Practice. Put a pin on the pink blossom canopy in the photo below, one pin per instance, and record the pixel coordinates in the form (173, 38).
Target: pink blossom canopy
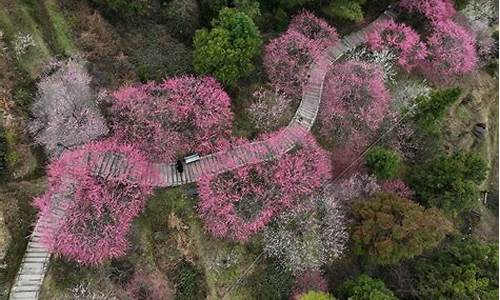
(182, 115)
(239, 203)
(97, 211)
(401, 39)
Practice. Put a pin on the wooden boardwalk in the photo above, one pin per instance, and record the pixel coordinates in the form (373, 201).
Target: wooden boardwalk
(35, 262)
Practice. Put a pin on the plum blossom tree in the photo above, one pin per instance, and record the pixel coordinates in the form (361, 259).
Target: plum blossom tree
(314, 28)
(270, 110)
(308, 236)
(401, 39)
(181, 115)
(452, 52)
(309, 280)
(353, 106)
(287, 57)
(355, 93)
(149, 285)
(239, 203)
(398, 187)
(434, 10)
(64, 114)
(286, 60)
(386, 59)
(98, 207)
(479, 15)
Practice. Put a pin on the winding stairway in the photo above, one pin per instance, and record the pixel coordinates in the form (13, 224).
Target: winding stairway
(34, 265)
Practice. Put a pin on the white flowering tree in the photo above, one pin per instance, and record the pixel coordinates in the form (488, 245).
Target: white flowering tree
(309, 236)
(64, 114)
(270, 110)
(480, 15)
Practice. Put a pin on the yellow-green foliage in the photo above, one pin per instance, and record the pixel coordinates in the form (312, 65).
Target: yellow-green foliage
(313, 295)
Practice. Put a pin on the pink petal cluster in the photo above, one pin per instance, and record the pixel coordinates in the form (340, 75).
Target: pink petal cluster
(434, 10)
(97, 211)
(287, 57)
(452, 51)
(400, 39)
(151, 286)
(265, 189)
(310, 280)
(177, 117)
(354, 90)
(353, 106)
(397, 187)
(314, 28)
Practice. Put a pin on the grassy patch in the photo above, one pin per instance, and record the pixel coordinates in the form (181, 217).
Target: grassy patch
(12, 156)
(223, 263)
(16, 20)
(61, 30)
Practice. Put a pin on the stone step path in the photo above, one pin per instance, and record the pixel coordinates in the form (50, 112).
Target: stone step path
(36, 259)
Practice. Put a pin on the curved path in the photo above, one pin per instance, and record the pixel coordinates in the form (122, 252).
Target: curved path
(30, 276)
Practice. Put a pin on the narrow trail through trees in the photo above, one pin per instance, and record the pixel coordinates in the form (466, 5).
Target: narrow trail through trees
(35, 263)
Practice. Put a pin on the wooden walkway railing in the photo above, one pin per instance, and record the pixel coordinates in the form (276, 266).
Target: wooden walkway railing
(30, 276)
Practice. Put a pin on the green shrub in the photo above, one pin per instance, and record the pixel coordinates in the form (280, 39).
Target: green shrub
(250, 7)
(125, 8)
(449, 182)
(24, 92)
(120, 271)
(382, 162)
(210, 9)
(432, 109)
(275, 282)
(160, 56)
(66, 273)
(228, 49)
(366, 288)
(461, 4)
(349, 10)
(465, 269)
(182, 17)
(189, 282)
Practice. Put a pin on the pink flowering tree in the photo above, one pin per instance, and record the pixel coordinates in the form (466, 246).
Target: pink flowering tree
(315, 29)
(287, 57)
(149, 285)
(398, 187)
(286, 61)
(353, 106)
(181, 115)
(452, 52)
(98, 206)
(400, 39)
(237, 204)
(433, 10)
(65, 114)
(309, 280)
